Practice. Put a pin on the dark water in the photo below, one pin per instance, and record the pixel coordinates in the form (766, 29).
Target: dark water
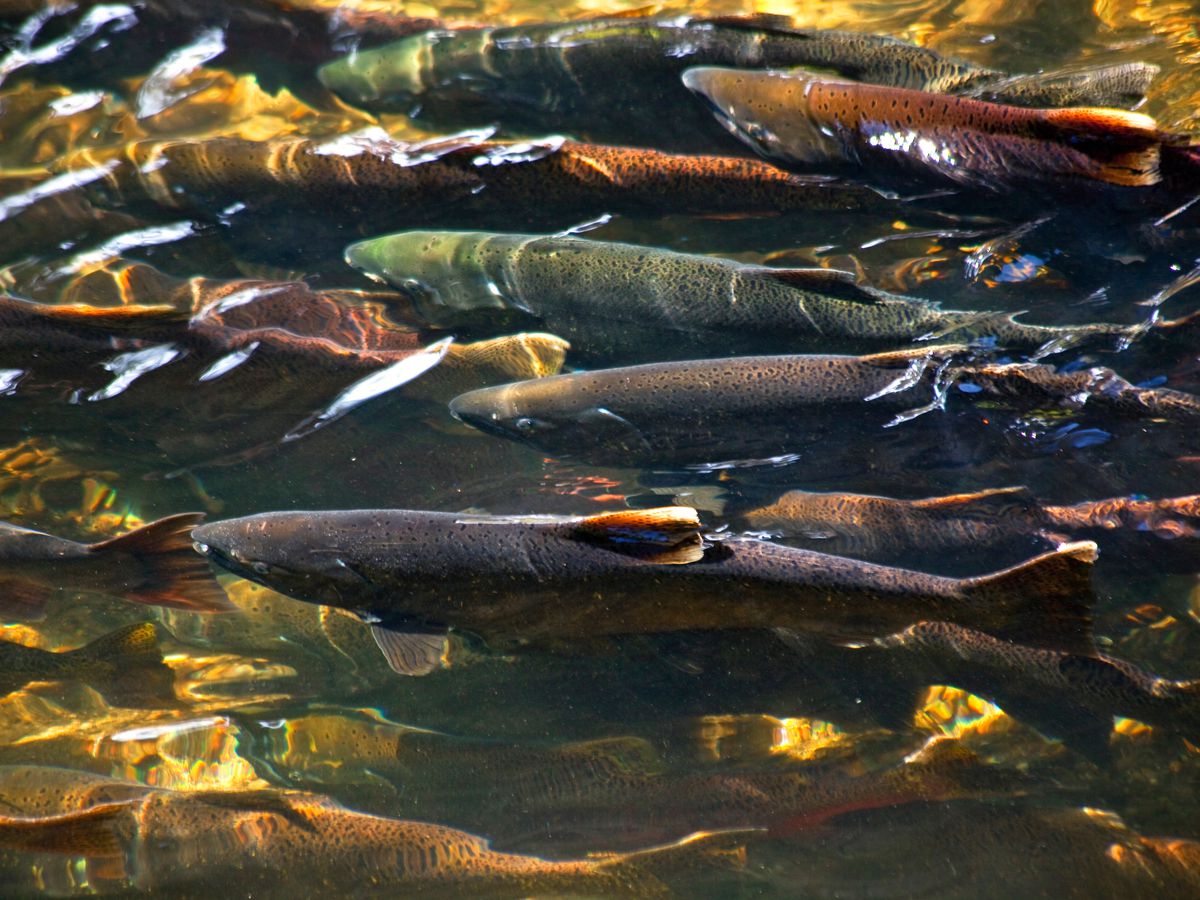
(606, 746)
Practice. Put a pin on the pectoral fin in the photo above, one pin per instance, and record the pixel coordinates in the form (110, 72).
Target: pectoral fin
(411, 653)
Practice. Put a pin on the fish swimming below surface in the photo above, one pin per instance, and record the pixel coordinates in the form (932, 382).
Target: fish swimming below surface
(281, 842)
(989, 849)
(1069, 695)
(517, 580)
(748, 409)
(126, 666)
(153, 565)
(807, 119)
(889, 530)
(559, 75)
(405, 183)
(560, 279)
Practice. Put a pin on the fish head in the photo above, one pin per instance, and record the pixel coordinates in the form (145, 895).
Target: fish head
(545, 413)
(390, 74)
(768, 110)
(438, 270)
(295, 553)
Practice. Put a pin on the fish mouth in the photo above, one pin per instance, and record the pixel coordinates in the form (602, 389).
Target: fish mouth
(483, 420)
(229, 559)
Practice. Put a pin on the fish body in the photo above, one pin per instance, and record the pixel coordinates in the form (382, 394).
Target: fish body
(755, 408)
(153, 564)
(441, 179)
(887, 529)
(278, 843)
(1064, 694)
(559, 278)
(514, 580)
(807, 119)
(125, 664)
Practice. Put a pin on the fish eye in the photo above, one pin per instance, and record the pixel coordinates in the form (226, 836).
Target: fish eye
(260, 567)
(525, 424)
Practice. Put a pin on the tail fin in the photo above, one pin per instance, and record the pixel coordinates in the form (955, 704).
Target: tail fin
(644, 872)
(1126, 145)
(96, 831)
(129, 667)
(170, 572)
(1045, 601)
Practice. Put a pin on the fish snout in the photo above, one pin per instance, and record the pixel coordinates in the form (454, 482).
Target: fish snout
(390, 73)
(488, 411)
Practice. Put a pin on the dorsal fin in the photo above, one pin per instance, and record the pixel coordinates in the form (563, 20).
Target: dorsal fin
(890, 357)
(986, 504)
(669, 535)
(773, 23)
(832, 282)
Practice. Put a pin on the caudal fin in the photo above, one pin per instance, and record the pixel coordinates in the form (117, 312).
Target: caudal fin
(95, 831)
(128, 667)
(1126, 145)
(1045, 601)
(167, 571)
(646, 873)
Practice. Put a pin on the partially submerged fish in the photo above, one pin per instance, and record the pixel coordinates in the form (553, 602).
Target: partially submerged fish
(540, 579)
(126, 666)
(559, 75)
(403, 183)
(887, 529)
(1067, 694)
(807, 119)
(763, 407)
(560, 278)
(170, 841)
(153, 564)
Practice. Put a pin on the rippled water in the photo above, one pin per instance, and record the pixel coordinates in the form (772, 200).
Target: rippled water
(273, 376)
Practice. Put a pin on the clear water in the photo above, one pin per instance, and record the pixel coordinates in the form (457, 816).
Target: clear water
(282, 695)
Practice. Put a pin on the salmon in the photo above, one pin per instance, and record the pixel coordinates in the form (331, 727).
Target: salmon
(807, 119)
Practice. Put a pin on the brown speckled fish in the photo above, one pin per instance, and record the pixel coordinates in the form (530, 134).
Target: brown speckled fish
(805, 119)
(1063, 694)
(280, 843)
(888, 529)
(126, 666)
(538, 579)
(400, 183)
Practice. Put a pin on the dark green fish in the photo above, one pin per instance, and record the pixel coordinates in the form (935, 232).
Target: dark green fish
(279, 843)
(542, 579)
(560, 75)
(1071, 695)
(806, 119)
(757, 408)
(560, 279)
(126, 666)
(153, 564)
(887, 529)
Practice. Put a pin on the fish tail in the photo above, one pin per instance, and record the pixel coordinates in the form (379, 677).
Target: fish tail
(170, 573)
(1045, 601)
(1126, 146)
(128, 665)
(645, 873)
(97, 831)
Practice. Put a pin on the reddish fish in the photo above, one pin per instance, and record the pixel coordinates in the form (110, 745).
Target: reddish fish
(805, 118)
